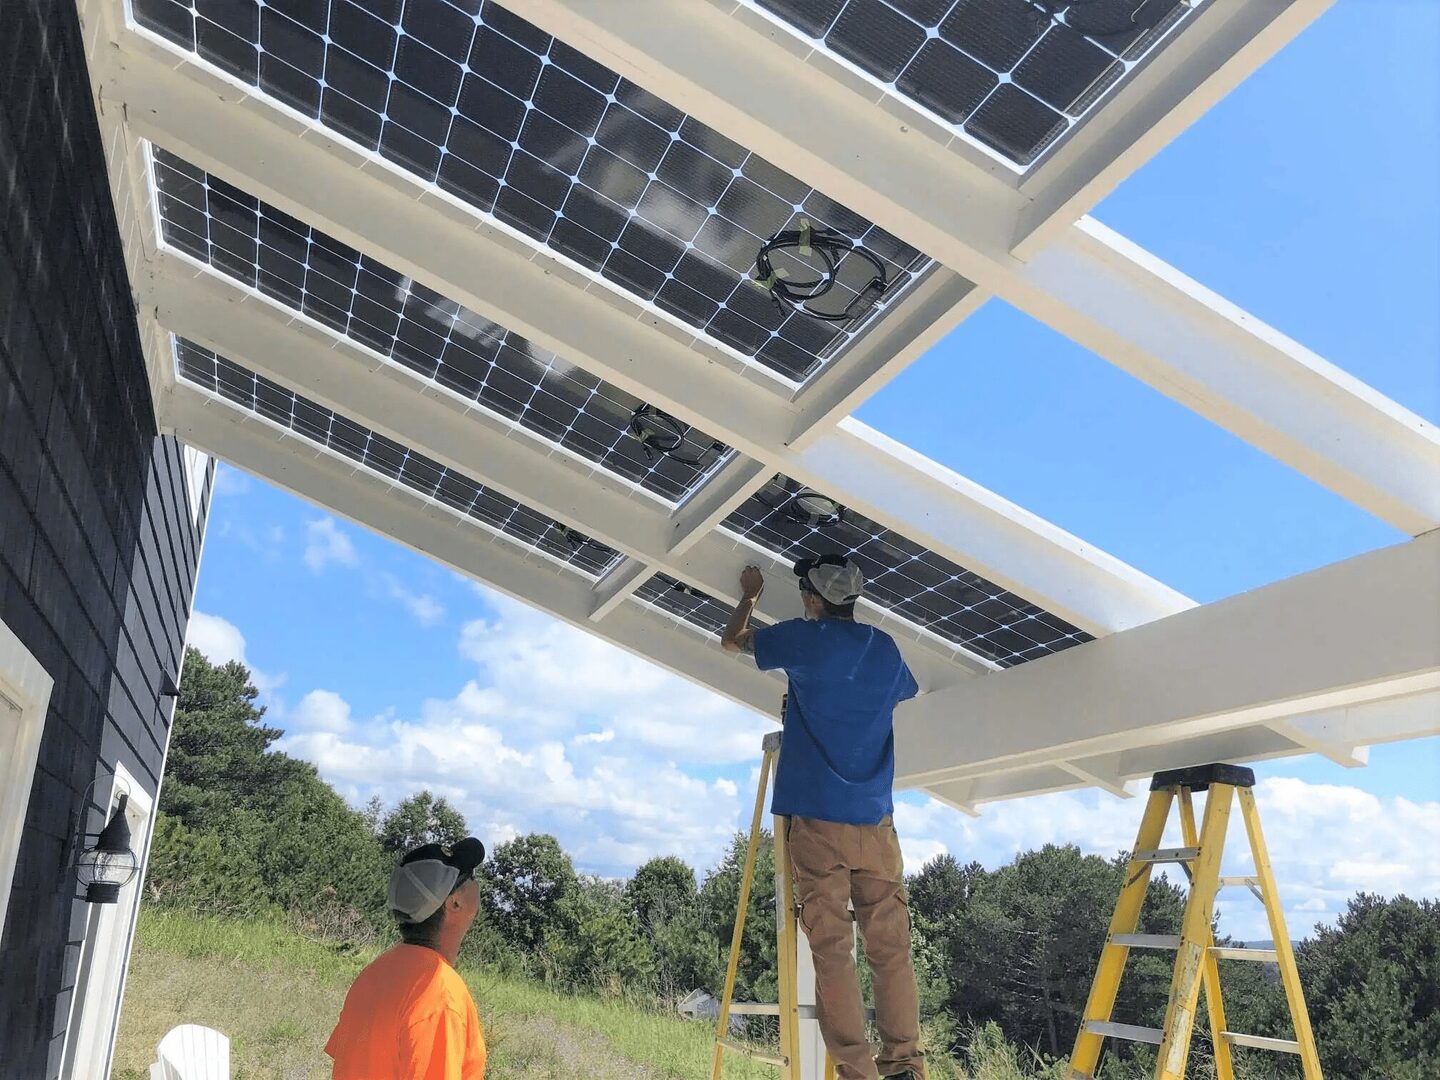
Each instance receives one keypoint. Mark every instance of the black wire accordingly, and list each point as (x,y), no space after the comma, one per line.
(789,505)
(830,248)
(659,433)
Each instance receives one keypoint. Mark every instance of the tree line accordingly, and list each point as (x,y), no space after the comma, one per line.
(246,831)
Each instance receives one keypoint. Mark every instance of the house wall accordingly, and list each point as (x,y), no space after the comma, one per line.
(98,544)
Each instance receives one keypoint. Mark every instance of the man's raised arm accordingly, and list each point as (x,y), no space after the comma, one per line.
(738,636)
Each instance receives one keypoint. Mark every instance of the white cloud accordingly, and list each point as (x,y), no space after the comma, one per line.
(326,544)
(320,710)
(553,675)
(221,642)
(1326,843)
(610,813)
(219,639)
(426,610)
(608,735)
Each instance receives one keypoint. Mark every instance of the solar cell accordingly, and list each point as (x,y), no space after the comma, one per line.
(517,124)
(902,577)
(391,460)
(429,334)
(693,607)
(1012,75)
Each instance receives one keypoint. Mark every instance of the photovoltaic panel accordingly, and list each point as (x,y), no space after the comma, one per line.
(499,114)
(1012,75)
(904,578)
(429,334)
(698,609)
(390,460)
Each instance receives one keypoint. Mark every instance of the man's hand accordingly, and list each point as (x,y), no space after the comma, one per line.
(752,583)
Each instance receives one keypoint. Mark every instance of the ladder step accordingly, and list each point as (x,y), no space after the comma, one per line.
(1248,882)
(735,1046)
(1260,1042)
(1128,1032)
(1147,941)
(753,1008)
(1159,855)
(1263,956)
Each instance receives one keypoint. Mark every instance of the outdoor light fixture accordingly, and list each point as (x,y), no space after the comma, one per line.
(109,865)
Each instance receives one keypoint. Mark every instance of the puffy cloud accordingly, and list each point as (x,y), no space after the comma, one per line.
(552,675)
(219,639)
(320,710)
(611,813)
(221,642)
(326,544)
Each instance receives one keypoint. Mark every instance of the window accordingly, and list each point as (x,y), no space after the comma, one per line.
(24,699)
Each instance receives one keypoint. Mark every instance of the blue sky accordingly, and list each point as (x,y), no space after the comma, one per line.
(1306,197)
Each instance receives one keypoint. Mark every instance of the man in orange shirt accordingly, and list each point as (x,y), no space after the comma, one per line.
(409,1015)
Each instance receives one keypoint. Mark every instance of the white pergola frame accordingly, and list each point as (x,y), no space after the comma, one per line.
(992,232)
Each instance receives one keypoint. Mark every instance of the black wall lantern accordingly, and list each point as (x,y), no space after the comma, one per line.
(109,865)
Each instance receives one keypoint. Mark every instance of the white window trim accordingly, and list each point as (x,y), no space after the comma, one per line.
(95,999)
(25,684)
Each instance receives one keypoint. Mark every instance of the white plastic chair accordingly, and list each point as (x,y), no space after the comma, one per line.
(192,1052)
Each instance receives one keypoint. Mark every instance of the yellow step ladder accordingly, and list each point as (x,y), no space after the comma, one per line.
(788,1010)
(1197,956)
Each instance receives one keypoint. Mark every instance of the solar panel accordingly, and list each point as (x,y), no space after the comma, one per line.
(1012,75)
(427,333)
(680,601)
(504,117)
(902,577)
(391,460)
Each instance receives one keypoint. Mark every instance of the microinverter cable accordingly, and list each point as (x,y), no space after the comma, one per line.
(828,248)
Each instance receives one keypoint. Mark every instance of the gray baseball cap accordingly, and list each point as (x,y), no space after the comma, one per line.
(428,874)
(835,577)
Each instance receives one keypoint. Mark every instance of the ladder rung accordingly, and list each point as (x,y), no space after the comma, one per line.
(1264,956)
(1128,1032)
(1147,941)
(1260,1042)
(1171,854)
(1248,882)
(735,1046)
(753,1008)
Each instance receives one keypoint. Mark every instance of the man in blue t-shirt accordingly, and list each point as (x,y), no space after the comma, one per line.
(833,783)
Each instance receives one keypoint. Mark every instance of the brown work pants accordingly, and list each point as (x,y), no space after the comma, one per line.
(836,865)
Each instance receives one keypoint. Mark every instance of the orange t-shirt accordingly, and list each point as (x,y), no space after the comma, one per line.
(409,1016)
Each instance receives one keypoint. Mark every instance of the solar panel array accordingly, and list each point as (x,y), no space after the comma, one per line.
(471,98)
(1013,75)
(391,460)
(693,607)
(907,580)
(429,334)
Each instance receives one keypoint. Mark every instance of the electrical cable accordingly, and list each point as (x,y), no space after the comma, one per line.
(829,248)
(1050,11)
(661,435)
(806,506)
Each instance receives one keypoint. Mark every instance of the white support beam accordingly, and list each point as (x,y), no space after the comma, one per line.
(1360,632)
(1097,778)
(1175,335)
(727,65)
(329,481)
(285,159)
(267,337)
(722,495)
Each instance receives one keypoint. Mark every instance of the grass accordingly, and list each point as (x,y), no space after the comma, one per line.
(276,995)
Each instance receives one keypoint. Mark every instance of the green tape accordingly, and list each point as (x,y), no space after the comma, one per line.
(768,283)
(805,237)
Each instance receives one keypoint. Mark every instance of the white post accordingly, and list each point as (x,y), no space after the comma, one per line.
(812,1046)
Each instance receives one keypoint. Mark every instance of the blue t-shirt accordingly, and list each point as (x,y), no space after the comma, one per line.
(837,762)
